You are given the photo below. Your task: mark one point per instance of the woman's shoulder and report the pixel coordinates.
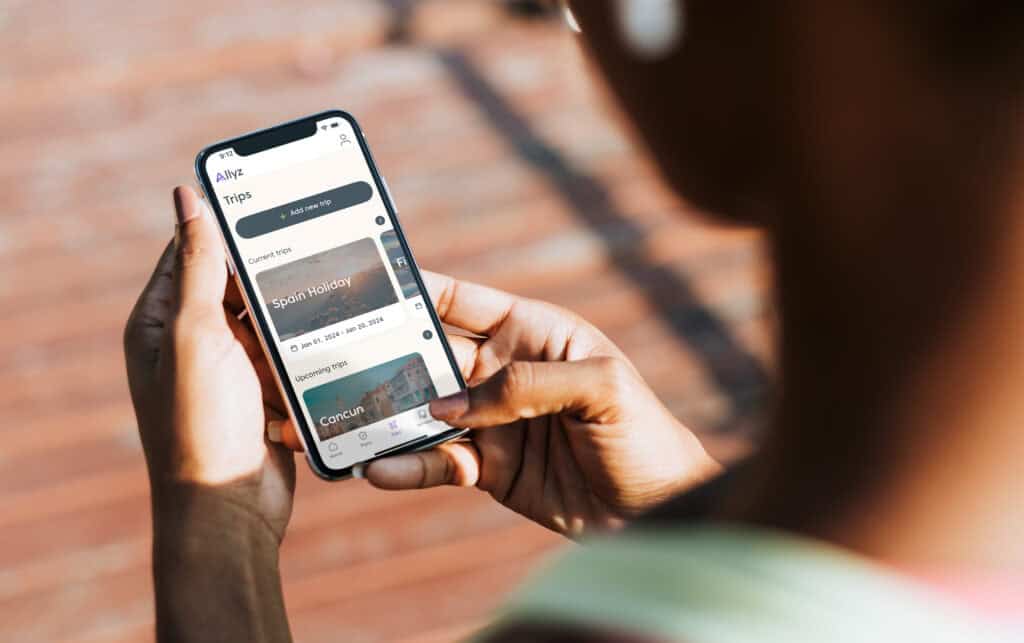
(719, 583)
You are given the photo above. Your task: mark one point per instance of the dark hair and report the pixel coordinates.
(971, 34)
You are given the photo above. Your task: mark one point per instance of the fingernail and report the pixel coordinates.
(357, 470)
(384, 466)
(450, 407)
(186, 206)
(387, 471)
(274, 430)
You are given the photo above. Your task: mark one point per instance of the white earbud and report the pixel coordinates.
(652, 28)
(570, 18)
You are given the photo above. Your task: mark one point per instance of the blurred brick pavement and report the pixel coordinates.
(505, 171)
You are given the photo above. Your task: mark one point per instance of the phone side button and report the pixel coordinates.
(228, 259)
(387, 189)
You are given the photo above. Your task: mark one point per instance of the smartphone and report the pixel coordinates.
(332, 288)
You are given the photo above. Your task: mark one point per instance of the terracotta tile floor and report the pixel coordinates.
(506, 171)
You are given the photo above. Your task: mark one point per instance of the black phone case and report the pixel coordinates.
(279, 135)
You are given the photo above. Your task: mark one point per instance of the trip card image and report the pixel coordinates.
(326, 288)
(399, 263)
(369, 396)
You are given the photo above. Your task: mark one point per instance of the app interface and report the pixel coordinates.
(337, 292)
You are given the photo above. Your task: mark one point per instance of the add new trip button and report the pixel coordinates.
(304, 209)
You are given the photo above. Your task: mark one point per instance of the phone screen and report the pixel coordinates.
(335, 290)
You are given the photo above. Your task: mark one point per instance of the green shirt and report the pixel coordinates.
(729, 584)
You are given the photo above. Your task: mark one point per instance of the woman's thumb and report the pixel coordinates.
(589, 389)
(199, 272)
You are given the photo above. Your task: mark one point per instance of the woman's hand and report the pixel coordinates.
(570, 437)
(567, 432)
(201, 386)
(222, 494)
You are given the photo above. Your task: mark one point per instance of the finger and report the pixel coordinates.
(464, 349)
(233, 301)
(522, 390)
(150, 315)
(200, 273)
(455, 463)
(470, 306)
(283, 431)
(246, 336)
